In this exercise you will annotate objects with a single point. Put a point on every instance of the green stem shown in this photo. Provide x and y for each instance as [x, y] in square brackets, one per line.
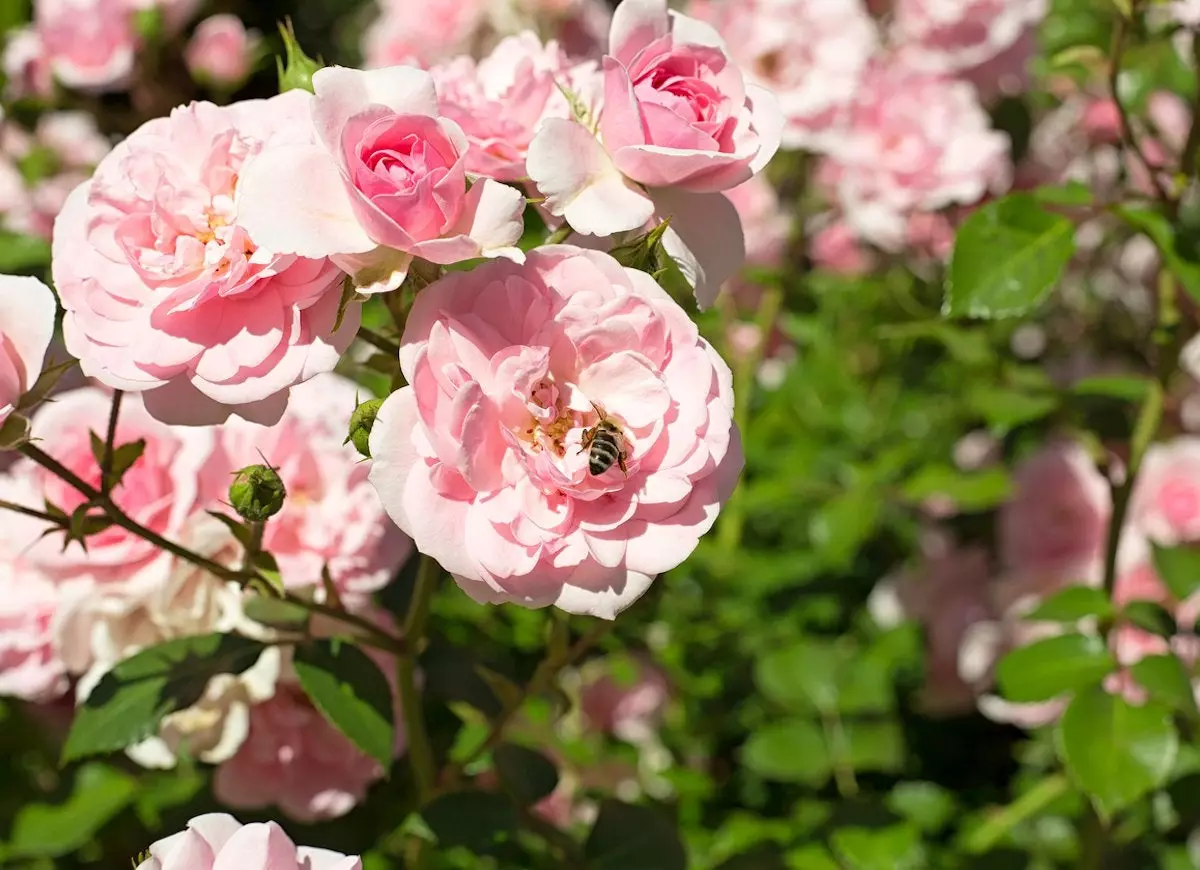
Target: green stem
[420, 753]
[30, 512]
[560, 235]
[733, 517]
[110, 438]
[374, 635]
[254, 545]
[378, 342]
[983, 838]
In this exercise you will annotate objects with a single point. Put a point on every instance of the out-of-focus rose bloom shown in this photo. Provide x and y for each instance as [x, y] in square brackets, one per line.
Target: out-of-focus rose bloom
[30, 666]
[1169, 120]
[332, 516]
[947, 595]
[443, 29]
[219, 842]
[912, 142]
[27, 311]
[836, 247]
[1102, 121]
[499, 101]
[486, 445]
[986, 41]
[631, 710]
[1165, 505]
[677, 114]
[386, 183]
[165, 289]
[221, 51]
[810, 53]
[765, 224]
[175, 477]
[295, 760]
[91, 45]
[1055, 524]
[27, 66]
[1185, 12]
[175, 14]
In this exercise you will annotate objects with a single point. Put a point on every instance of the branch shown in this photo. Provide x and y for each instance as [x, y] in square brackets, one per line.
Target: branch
[106, 463]
[1128, 139]
[378, 342]
[420, 753]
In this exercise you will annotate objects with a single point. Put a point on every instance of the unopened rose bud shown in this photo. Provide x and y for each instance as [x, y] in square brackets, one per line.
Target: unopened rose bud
[641, 253]
[257, 493]
[221, 52]
[296, 68]
[361, 422]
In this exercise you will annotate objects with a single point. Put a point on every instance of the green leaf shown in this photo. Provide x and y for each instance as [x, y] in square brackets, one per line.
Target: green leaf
[351, 692]
[275, 612]
[1123, 388]
[1073, 604]
[803, 676]
[627, 837]
[927, 805]
[1053, 666]
[1114, 751]
[790, 751]
[44, 385]
[1176, 251]
[1007, 256]
[1006, 409]
[1179, 569]
[525, 773]
[895, 848]
[42, 830]
[124, 458]
[21, 253]
[131, 699]
[237, 527]
[874, 745]
[1166, 680]
[1071, 193]
[970, 490]
[475, 820]
[1150, 616]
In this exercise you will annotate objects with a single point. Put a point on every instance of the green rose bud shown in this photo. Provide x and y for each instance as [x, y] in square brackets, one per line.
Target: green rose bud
[296, 68]
[361, 422]
[257, 493]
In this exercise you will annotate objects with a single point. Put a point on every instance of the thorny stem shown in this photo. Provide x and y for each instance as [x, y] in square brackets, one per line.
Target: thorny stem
[30, 512]
[373, 635]
[420, 753]
[110, 438]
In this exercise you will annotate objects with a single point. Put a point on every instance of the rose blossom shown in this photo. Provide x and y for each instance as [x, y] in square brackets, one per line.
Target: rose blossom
[27, 311]
[332, 516]
[216, 841]
[221, 51]
[1055, 524]
[810, 53]
[167, 292]
[676, 114]
[294, 759]
[500, 101]
[27, 66]
[912, 142]
[91, 44]
[442, 30]
[955, 36]
[629, 708]
[174, 478]
[1165, 505]
[1185, 12]
[480, 459]
[836, 247]
[30, 666]
[387, 183]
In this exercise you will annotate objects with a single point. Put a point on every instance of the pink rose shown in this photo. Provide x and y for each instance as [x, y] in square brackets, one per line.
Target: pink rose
[1056, 522]
[387, 183]
[175, 477]
[294, 759]
[629, 708]
[442, 30]
[221, 51]
[91, 45]
[30, 666]
[810, 53]
[219, 842]
[500, 101]
[27, 65]
[1185, 12]
[913, 142]
[27, 311]
[1165, 505]
[481, 460]
[955, 36]
[836, 247]
[168, 292]
[332, 516]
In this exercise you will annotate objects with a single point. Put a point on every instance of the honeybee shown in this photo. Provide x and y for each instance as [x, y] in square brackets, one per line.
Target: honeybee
[605, 444]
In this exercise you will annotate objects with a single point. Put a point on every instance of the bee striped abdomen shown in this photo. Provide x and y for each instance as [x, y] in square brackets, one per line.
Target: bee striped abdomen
[604, 452]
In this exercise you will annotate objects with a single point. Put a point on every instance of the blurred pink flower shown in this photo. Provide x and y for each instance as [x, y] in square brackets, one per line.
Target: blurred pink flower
[912, 142]
[90, 45]
[332, 516]
[629, 709]
[295, 760]
[1053, 528]
[166, 292]
[219, 842]
[442, 29]
[30, 666]
[836, 247]
[1165, 505]
[500, 101]
[27, 65]
[985, 41]
[1185, 12]
[810, 53]
[221, 51]
[27, 314]
[765, 224]
[485, 445]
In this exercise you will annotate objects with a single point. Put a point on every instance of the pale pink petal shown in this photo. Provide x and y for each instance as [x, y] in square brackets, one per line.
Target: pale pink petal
[635, 24]
[342, 92]
[705, 239]
[262, 845]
